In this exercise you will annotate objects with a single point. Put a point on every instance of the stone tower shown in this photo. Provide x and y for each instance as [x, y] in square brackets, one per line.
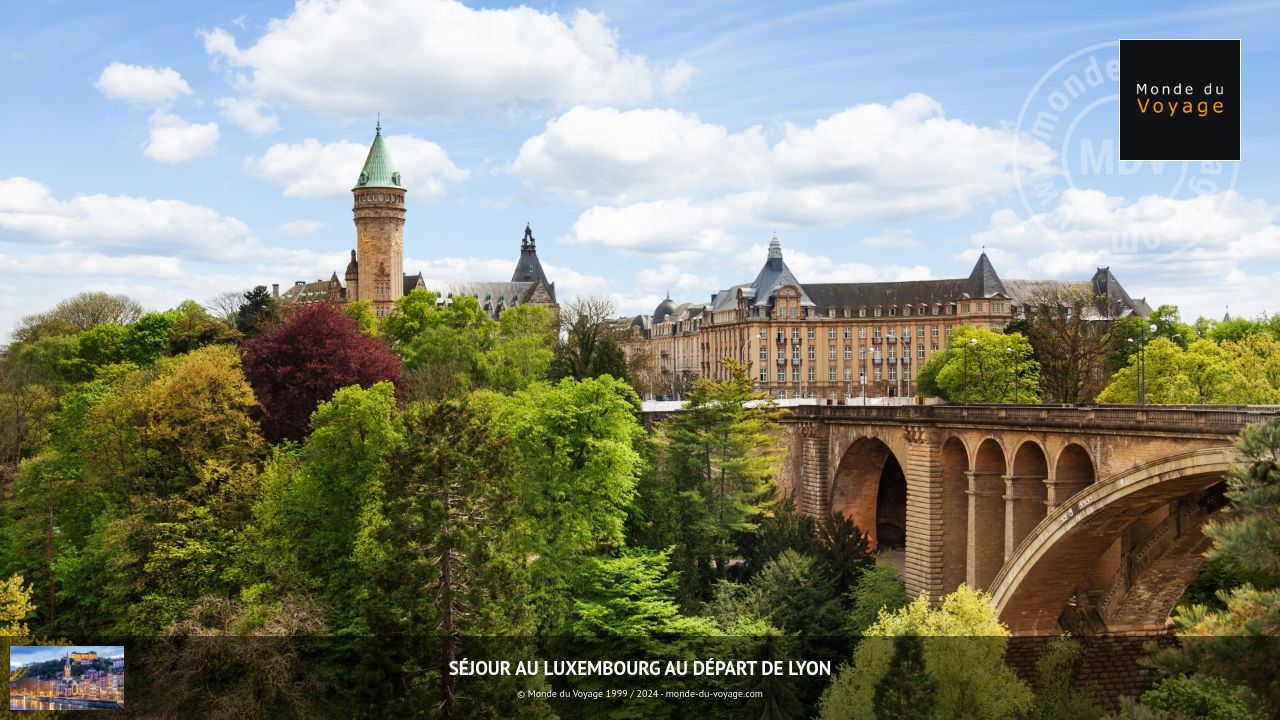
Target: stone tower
[378, 265]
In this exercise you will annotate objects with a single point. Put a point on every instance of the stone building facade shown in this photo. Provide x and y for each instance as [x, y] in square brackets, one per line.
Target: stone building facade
[835, 340]
[376, 270]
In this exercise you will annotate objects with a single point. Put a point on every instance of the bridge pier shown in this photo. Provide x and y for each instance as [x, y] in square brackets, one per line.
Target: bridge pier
[926, 524]
[986, 526]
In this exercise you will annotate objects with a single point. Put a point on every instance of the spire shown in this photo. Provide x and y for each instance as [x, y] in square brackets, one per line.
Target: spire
[528, 267]
[527, 241]
[378, 170]
[775, 248]
[983, 281]
[1226, 317]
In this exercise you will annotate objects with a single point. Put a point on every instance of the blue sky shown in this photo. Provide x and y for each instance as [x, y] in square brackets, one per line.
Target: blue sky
[170, 150]
[25, 655]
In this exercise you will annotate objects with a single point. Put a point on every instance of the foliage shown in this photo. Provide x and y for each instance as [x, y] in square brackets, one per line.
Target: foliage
[964, 648]
[793, 593]
[15, 606]
[522, 349]
[257, 312]
[192, 328]
[76, 314]
[907, 689]
[590, 348]
[878, 589]
[1245, 371]
[147, 338]
[843, 550]
[1055, 698]
[780, 528]
[994, 368]
[720, 459]
[300, 363]
[361, 311]
[631, 595]
[1199, 697]
[1070, 342]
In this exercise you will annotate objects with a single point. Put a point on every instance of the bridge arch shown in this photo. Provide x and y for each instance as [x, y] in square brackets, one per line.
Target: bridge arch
[1027, 493]
[986, 512]
[1033, 587]
[870, 488]
[1073, 470]
[955, 512]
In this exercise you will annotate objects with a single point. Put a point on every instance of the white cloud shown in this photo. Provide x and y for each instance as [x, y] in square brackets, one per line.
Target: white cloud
[300, 227]
[1187, 251]
[174, 141]
[674, 279]
[248, 114]
[892, 240]
[118, 224]
[142, 85]
[313, 170]
[810, 268]
[347, 58]
[619, 157]
[94, 264]
[665, 179]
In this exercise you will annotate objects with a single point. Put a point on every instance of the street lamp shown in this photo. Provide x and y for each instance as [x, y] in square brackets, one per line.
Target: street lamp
[1013, 374]
[972, 342]
[1142, 362]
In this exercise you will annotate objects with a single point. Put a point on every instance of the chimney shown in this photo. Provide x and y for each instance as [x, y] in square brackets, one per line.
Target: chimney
[275, 289]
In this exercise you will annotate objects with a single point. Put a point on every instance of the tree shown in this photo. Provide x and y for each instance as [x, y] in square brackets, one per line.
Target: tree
[1197, 697]
[147, 338]
[574, 478]
[15, 606]
[300, 363]
[794, 594]
[720, 459]
[1055, 698]
[78, 313]
[1237, 643]
[630, 595]
[1172, 375]
[361, 311]
[193, 328]
[1070, 341]
[878, 589]
[907, 689]
[995, 368]
[257, 312]
[442, 345]
[843, 551]
[1255, 368]
[964, 647]
[522, 349]
[590, 348]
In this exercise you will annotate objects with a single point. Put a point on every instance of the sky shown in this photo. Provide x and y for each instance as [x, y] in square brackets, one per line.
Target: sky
[171, 150]
[20, 655]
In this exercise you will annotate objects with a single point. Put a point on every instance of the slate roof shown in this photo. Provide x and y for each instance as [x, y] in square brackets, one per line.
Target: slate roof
[378, 172]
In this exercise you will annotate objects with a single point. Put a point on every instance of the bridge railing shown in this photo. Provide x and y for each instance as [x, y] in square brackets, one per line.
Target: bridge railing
[1210, 418]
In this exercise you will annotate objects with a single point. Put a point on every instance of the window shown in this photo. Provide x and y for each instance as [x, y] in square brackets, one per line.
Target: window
[906, 310]
[848, 353]
[862, 333]
[920, 331]
[848, 333]
[764, 353]
[920, 351]
[893, 310]
[848, 373]
[933, 331]
[782, 376]
[966, 308]
[764, 334]
[831, 312]
[906, 375]
[793, 311]
[893, 374]
[795, 353]
[831, 375]
[862, 376]
[795, 334]
[879, 375]
[812, 375]
[948, 332]
[862, 312]
[997, 307]
[813, 352]
[862, 353]
[893, 354]
[795, 375]
[831, 333]
[875, 334]
[979, 307]
[831, 353]
[811, 331]
[934, 348]
[877, 312]
[764, 375]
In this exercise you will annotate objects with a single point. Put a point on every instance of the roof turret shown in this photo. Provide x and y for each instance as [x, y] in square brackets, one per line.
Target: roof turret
[378, 171]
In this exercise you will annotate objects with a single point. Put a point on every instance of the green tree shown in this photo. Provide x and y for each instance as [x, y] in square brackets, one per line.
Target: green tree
[630, 595]
[78, 313]
[1055, 698]
[843, 550]
[193, 327]
[983, 366]
[522, 349]
[15, 606]
[1166, 377]
[907, 689]
[361, 311]
[1197, 698]
[878, 589]
[101, 345]
[442, 345]
[147, 338]
[964, 647]
[720, 457]
[1255, 367]
[257, 312]
[1071, 339]
[1237, 643]
[590, 347]
[574, 477]
[796, 595]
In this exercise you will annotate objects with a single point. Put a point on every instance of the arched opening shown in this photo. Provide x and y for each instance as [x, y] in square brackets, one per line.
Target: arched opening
[871, 489]
[1026, 495]
[1071, 473]
[986, 514]
[955, 513]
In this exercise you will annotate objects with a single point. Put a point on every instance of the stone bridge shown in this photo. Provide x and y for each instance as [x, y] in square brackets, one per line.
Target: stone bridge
[1079, 518]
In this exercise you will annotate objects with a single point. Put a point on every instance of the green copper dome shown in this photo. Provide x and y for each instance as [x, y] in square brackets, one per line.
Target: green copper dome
[378, 171]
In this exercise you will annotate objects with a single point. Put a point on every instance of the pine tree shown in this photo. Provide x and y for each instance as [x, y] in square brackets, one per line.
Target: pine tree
[907, 689]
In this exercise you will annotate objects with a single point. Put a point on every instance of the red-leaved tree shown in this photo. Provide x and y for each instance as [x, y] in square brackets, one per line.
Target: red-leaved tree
[301, 362]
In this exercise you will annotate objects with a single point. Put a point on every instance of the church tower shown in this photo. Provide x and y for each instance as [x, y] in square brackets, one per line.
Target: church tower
[378, 265]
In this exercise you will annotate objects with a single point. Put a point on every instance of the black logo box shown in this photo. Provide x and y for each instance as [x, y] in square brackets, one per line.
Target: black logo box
[1160, 77]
